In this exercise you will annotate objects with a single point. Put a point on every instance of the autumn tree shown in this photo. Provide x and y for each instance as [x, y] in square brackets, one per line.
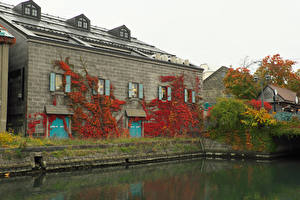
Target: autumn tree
[240, 83]
[281, 72]
[294, 82]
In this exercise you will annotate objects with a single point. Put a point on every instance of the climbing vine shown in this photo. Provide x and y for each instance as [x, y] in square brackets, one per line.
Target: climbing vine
[92, 112]
[175, 117]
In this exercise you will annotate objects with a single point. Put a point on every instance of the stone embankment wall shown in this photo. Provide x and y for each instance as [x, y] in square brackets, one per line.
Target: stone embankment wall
[56, 158]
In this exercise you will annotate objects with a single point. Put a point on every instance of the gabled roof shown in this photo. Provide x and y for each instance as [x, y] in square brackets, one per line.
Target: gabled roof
[284, 93]
[214, 73]
[60, 30]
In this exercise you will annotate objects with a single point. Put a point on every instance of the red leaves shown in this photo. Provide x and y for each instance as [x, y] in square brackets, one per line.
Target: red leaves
[92, 116]
[167, 78]
[256, 104]
[31, 127]
[279, 69]
[171, 118]
[92, 113]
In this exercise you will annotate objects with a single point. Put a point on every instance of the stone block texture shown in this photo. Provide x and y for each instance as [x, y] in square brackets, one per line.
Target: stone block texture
[119, 69]
[213, 87]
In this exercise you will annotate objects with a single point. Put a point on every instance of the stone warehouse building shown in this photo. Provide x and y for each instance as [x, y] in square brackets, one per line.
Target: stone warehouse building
[213, 86]
[114, 56]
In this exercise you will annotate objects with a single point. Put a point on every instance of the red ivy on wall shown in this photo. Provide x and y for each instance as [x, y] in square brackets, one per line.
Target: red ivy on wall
[175, 117]
[32, 123]
[92, 112]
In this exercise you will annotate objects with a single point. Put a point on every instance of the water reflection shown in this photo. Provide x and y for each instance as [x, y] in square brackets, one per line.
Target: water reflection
[201, 180]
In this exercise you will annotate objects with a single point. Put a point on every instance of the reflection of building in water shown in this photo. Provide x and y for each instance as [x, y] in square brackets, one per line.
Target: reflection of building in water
[136, 190]
[202, 179]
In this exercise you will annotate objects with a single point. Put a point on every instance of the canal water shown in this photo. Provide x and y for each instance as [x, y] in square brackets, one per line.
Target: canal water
[198, 179]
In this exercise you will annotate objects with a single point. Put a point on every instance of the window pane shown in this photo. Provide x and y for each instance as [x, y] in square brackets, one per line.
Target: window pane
[101, 86]
[134, 90]
[126, 35]
[164, 93]
[59, 82]
[79, 23]
[85, 25]
[27, 11]
[34, 12]
[121, 34]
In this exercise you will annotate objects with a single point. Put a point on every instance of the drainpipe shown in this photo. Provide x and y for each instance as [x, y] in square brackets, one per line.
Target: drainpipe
[6, 40]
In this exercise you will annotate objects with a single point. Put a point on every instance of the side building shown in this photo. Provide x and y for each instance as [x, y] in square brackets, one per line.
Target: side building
[213, 86]
[281, 99]
[122, 63]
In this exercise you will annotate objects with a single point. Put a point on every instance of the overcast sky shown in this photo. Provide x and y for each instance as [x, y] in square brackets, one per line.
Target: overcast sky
[216, 32]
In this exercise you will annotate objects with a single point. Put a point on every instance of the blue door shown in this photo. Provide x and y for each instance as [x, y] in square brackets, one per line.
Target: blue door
[57, 128]
[136, 129]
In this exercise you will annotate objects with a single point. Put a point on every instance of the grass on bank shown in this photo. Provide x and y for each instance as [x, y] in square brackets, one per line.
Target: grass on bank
[9, 140]
[15, 144]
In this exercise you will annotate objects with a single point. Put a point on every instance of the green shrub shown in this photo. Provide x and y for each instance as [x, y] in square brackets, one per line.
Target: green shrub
[226, 115]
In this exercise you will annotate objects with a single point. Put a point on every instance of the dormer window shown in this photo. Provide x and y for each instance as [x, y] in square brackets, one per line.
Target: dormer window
[80, 21]
[121, 32]
[124, 33]
[29, 9]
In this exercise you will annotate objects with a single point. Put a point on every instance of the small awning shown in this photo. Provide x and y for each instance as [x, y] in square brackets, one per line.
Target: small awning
[135, 113]
[58, 110]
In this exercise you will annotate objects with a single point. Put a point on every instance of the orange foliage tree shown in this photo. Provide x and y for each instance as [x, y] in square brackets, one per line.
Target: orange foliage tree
[281, 72]
[240, 83]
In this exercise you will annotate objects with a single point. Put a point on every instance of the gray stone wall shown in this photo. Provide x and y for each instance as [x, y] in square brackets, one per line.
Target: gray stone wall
[119, 69]
[213, 87]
